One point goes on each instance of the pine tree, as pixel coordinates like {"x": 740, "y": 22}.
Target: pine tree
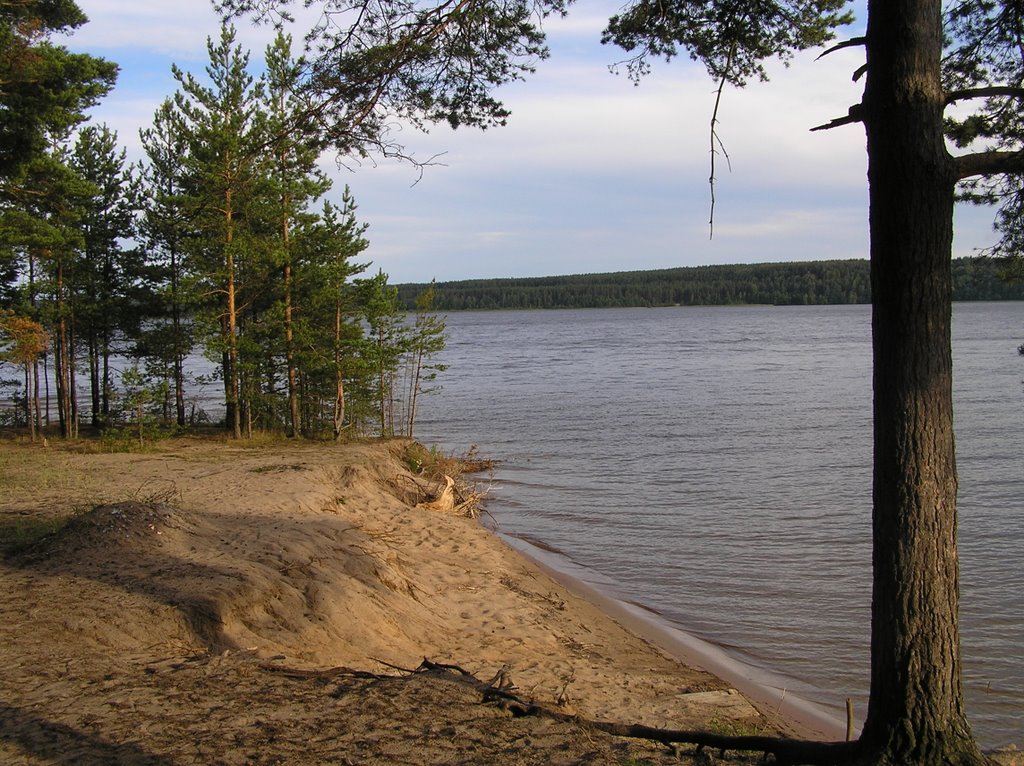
{"x": 295, "y": 181}
{"x": 44, "y": 89}
{"x": 168, "y": 229}
{"x": 426, "y": 341}
{"x": 329, "y": 334}
{"x": 106, "y": 271}
{"x": 225, "y": 132}
{"x": 387, "y": 340}
{"x": 44, "y": 92}
{"x": 46, "y": 230}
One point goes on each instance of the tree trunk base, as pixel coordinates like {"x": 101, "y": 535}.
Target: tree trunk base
{"x": 953, "y": 753}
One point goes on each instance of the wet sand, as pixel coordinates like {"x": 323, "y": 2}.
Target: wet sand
{"x": 791, "y": 714}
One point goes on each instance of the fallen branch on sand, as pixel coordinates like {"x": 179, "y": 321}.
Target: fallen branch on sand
{"x": 786, "y": 751}
{"x": 303, "y": 673}
{"x": 498, "y": 691}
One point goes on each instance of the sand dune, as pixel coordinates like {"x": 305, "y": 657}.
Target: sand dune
{"x": 207, "y": 604}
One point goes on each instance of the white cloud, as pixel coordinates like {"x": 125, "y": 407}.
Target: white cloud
{"x": 175, "y": 29}
{"x": 806, "y": 224}
{"x": 592, "y": 173}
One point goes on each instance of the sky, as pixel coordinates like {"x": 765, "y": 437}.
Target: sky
{"x": 592, "y": 173}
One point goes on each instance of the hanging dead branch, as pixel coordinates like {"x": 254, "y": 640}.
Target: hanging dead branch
{"x": 717, "y": 145}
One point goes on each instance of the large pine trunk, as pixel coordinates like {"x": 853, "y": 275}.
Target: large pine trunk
{"x": 916, "y": 711}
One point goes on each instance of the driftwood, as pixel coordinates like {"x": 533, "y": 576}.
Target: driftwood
{"x": 444, "y": 501}
{"x": 455, "y": 497}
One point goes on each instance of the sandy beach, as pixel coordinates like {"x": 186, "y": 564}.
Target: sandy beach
{"x": 212, "y": 603}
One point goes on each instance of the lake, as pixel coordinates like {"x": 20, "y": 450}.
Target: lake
{"x": 713, "y": 465}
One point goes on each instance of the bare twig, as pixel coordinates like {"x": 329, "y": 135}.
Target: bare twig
{"x": 717, "y": 145}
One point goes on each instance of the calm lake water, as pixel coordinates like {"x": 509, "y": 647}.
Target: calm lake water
{"x": 713, "y": 464}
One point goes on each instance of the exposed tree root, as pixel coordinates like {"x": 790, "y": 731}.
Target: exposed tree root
{"x": 453, "y": 495}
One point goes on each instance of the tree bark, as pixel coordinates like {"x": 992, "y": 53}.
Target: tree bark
{"x": 916, "y": 710}
{"x": 72, "y": 378}
{"x": 294, "y": 424}
{"x": 414, "y": 387}
{"x": 179, "y": 345}
{"x": 107, "y": 386}
{"x": 94, "y": 377}
{"x": 339, "y": 378}
{"x": 62, "y": 357}
{"x": 29, "y": 421}
{"x": 231, "y": 373}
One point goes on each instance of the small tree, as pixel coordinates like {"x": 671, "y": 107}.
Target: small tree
{"x": 139, "y": 396}
{"x": 426, "y": 342}
{"x": 167, "y": 227}
{"x": 386, "y": 342}
{"x": 328, "y": 332}
{"x": 25, "y": 340}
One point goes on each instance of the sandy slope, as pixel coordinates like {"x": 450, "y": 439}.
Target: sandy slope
{"x": 149, "y": 628}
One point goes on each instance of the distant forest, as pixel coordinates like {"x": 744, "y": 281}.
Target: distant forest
{"x": 799, "y": 283}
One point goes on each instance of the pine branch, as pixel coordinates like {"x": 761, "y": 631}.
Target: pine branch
{"x": 994, "y": 90}
{"x": 988, "y": 163}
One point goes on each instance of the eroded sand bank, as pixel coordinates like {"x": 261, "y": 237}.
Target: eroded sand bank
{"x": 148, "y": 629}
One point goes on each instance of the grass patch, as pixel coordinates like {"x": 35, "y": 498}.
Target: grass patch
{"x": 18, "y": 532}
{"x": 279, "y": 468}
{"x": 729, "y": 728}
{"x": 436, "y": 464}
{"x": 32, "y": 468}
